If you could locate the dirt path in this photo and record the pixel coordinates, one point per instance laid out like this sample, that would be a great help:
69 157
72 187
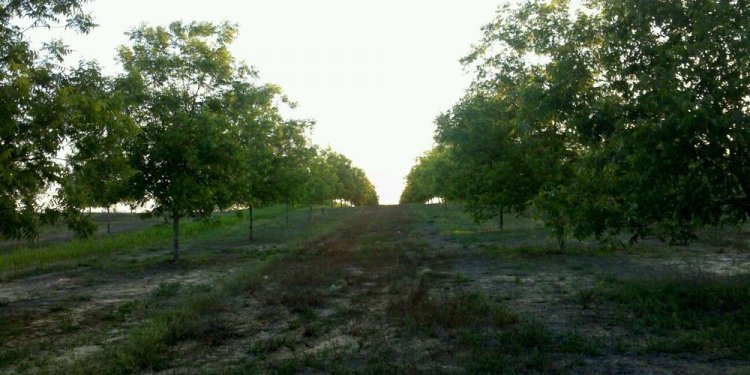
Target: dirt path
328 297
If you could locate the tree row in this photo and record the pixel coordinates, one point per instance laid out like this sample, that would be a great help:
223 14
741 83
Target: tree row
606 118
184 130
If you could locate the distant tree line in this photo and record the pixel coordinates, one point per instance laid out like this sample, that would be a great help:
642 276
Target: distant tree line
616 117
185 128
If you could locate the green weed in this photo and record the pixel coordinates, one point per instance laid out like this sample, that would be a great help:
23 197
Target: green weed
166 290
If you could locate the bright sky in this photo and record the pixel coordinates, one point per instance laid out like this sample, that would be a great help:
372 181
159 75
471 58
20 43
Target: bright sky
373 74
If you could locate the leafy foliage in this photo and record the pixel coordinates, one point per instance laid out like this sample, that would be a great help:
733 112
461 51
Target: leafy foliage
432 177
34 121
100 169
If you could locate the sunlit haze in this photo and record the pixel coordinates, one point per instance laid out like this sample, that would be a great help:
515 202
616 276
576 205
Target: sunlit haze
373 74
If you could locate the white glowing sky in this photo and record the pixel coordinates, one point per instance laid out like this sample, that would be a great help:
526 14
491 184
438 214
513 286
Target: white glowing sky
373 74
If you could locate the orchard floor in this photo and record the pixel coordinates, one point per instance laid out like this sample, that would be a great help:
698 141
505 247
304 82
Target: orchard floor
390 289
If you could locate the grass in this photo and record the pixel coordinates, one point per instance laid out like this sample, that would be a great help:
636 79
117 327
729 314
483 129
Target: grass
684 312
67 254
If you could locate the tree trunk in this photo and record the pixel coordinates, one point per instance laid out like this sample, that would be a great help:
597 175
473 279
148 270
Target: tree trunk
309 215
108 225
287 213
176 237
322 209
250 213
500 218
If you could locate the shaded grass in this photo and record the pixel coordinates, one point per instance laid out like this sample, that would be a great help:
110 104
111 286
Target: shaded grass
693 313
520 348
24 260
523 235
473 331
193 316
59 232
272 344
459 226
332 360
419 310
119 314
486 337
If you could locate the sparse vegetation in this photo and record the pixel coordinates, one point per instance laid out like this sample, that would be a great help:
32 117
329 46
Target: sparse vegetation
685 312
344 295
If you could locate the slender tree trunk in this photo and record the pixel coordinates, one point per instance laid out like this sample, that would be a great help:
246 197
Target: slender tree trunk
287 213
322 209
500 218
109 230
445 205
309 215
250 213
176 237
